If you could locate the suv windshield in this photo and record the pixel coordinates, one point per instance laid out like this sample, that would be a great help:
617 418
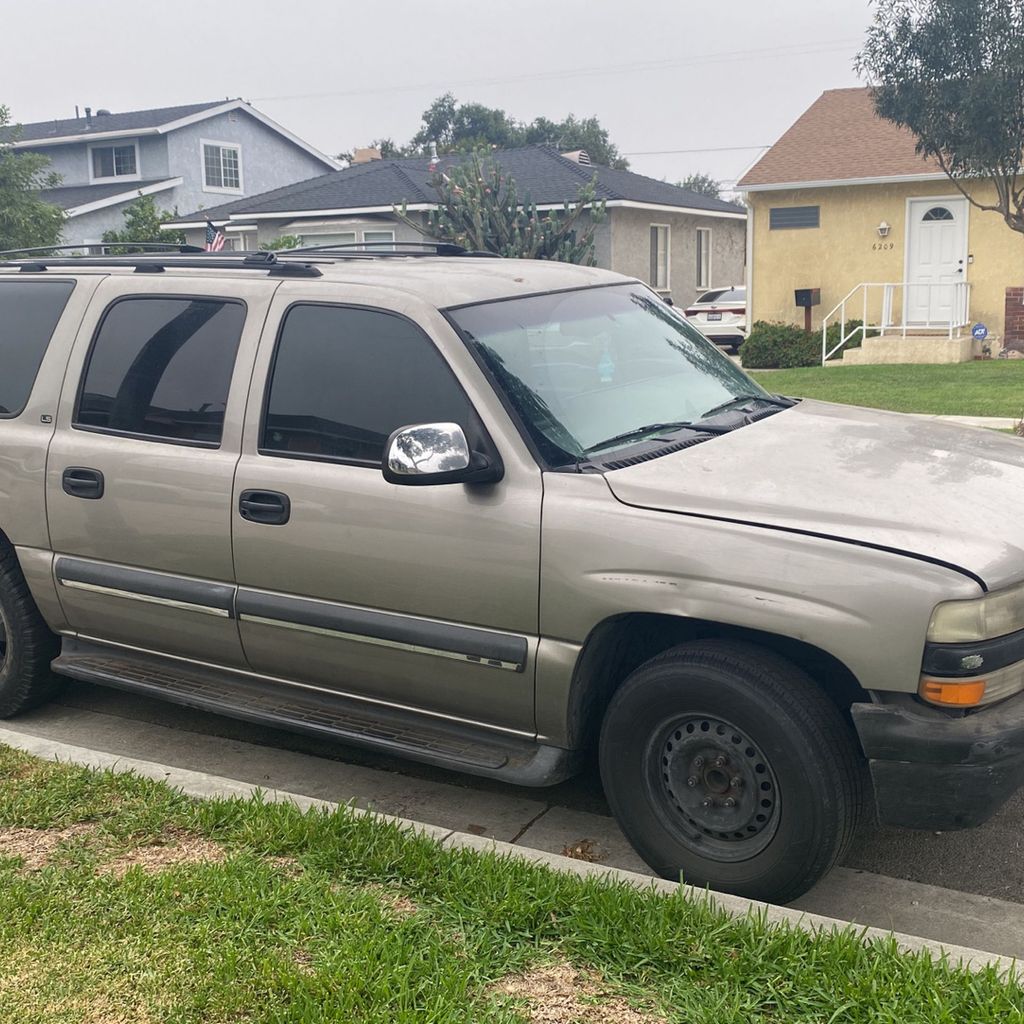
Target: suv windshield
587 368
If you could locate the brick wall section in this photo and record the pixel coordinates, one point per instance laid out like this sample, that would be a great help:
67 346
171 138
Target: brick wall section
1013 331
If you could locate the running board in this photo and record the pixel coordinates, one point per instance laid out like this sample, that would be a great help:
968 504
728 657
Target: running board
408 734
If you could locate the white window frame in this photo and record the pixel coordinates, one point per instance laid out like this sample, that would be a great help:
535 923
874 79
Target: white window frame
703 280
115 144
380 231
310 237
667 286
203 143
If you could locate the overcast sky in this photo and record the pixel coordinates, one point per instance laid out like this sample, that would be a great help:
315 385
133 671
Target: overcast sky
661 75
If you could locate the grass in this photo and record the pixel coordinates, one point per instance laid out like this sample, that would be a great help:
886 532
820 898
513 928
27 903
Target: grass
298 922
992 387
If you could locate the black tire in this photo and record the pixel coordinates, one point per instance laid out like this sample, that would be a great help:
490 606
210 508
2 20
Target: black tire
26 644
717 721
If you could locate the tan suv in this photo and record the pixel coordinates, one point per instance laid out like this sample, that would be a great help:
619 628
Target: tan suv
492 514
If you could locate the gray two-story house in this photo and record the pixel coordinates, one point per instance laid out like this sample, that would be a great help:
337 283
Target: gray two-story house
187 157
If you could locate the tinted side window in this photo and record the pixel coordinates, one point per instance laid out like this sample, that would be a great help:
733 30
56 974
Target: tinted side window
161 368
344 379
29 312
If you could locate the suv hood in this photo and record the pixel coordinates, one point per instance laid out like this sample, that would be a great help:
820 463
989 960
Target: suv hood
926 488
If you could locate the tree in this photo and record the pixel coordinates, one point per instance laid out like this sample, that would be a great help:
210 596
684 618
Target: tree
26 219
952 71
465 127
481 209
142 223
702 184
573 133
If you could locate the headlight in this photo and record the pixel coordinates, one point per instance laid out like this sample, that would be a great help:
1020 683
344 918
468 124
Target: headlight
975 651
982 618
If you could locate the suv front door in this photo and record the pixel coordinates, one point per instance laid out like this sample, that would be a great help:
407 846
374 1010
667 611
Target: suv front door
423 597
139 471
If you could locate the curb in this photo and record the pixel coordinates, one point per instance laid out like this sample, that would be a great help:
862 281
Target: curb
205 786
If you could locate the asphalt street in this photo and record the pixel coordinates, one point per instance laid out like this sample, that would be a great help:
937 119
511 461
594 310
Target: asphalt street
957 887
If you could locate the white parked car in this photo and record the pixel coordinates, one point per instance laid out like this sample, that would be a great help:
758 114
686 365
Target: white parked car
720 314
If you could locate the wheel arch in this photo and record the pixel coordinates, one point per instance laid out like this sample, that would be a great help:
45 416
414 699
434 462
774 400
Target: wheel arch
619 644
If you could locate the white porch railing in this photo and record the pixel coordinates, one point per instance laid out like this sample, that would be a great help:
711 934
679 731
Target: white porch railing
945 307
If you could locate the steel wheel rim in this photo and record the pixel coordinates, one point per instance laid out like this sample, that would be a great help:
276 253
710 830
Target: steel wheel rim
713 787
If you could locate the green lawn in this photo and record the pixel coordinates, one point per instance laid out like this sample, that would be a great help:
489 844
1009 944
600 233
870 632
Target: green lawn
985 388
122 901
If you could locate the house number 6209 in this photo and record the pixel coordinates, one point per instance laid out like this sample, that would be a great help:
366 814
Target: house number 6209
883 246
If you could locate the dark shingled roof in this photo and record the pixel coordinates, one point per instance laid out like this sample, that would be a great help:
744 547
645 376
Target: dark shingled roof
78 195
129 121
541 171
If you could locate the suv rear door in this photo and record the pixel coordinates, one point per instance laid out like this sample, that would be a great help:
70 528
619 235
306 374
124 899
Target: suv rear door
422 597
140 468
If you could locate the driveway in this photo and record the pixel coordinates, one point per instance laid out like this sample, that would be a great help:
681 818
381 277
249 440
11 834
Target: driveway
957 887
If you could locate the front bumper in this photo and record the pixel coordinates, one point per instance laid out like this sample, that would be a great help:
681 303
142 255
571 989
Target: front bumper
934 771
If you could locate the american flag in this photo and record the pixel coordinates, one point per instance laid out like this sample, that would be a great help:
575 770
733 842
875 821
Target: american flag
214 238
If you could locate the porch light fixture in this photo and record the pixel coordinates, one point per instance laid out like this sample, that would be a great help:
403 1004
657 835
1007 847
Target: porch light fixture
883 229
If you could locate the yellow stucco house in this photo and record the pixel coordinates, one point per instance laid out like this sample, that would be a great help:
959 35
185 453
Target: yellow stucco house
842 203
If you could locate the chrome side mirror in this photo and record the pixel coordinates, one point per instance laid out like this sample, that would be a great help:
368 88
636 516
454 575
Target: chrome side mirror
436 453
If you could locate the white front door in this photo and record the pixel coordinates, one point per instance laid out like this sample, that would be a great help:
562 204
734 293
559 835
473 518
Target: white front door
936 261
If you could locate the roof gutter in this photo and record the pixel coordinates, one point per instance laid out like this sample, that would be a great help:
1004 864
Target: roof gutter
122 197
836 182
351 211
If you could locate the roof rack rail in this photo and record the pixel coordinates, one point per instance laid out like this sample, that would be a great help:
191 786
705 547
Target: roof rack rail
152 263
389 249
45 250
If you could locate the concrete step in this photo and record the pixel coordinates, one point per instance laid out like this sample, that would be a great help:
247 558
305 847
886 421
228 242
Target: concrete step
919 348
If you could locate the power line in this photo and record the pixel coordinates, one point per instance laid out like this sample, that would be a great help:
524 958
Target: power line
705 149
724 57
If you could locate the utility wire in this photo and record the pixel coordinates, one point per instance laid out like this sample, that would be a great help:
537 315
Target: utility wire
724 57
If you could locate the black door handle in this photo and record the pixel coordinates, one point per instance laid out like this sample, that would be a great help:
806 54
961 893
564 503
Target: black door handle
272 508
81 482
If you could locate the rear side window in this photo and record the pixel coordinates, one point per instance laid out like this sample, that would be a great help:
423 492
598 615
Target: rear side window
29 312
343 379
161 368
723 295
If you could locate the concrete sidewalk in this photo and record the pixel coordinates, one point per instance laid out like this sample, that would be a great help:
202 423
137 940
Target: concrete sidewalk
989 422
527 819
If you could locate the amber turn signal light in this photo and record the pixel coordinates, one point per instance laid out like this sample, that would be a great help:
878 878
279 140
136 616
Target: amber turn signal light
952 693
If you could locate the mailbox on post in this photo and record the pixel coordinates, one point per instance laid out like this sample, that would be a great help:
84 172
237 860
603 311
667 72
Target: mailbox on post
805 299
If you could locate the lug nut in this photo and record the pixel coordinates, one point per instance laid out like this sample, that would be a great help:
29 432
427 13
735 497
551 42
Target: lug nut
736 782
729 802
707 802
698 761
692 781
720 761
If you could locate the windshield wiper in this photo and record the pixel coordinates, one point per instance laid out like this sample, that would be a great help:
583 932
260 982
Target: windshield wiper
652 428
782 403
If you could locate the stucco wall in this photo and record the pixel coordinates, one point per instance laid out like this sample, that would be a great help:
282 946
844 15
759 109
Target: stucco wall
631 248
268 160
846 250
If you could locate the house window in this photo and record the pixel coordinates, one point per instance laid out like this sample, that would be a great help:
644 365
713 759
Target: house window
703 257
378 237
222 167
659 257
938 213
114 162
780 217
337 238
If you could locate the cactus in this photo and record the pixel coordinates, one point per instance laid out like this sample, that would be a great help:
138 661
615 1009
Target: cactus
481 209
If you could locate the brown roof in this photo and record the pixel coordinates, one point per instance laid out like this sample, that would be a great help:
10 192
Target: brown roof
837 138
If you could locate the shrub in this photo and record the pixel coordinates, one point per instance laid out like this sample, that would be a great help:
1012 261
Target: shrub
777 346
